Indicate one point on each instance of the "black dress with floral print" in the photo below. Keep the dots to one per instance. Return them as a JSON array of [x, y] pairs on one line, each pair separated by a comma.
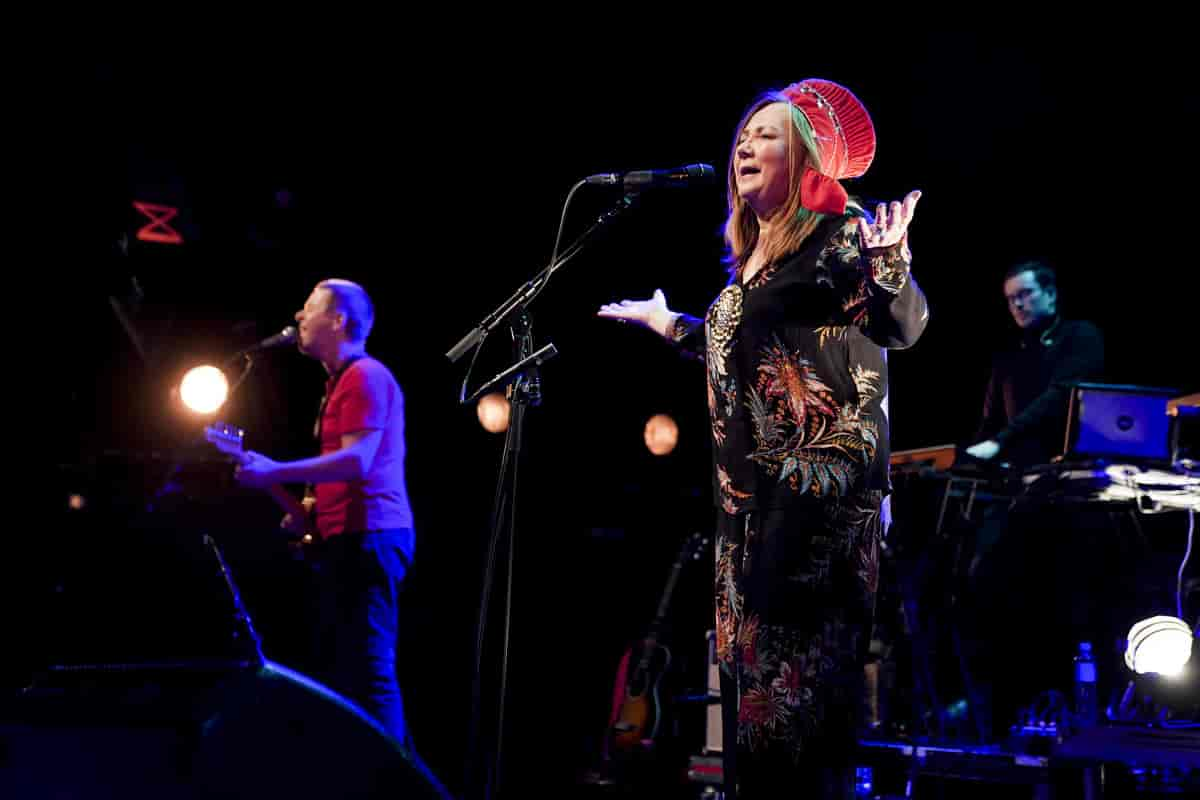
[[796, 376]]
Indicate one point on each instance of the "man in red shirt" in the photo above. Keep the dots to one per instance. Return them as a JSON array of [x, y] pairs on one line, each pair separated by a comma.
[[358, 499]]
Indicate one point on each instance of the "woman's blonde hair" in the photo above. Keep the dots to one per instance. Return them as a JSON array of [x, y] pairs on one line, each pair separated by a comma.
[[798, 223]]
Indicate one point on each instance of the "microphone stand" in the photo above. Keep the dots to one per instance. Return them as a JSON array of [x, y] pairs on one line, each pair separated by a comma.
[[525, 391], [525, 294], [239, 608], [536, 360]]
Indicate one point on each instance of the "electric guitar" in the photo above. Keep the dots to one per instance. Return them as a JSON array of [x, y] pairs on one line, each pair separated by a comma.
[[637, 708], [230, 439]]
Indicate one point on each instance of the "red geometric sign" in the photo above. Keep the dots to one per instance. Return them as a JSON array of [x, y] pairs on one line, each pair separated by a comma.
[[157, 230]]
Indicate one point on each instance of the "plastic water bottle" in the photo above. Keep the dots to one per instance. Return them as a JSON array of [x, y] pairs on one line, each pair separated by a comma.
[[1086, 706], [863, 782]]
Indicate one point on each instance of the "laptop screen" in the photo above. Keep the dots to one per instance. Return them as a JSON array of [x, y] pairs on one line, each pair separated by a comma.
[[1122, 421]]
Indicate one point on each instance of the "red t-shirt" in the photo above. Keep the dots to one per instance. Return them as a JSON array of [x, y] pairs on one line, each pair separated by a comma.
[[365, 397]]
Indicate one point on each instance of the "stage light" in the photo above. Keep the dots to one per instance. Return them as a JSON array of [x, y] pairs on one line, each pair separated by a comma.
[[493, 411], [204, 389], [661, 434], [1160, 645], [76, 502]]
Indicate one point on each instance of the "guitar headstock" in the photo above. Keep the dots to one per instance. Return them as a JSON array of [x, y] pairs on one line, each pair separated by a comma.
[[229, 439]]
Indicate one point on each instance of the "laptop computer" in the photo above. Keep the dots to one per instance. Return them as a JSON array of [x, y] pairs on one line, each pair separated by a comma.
[[1122, 423]]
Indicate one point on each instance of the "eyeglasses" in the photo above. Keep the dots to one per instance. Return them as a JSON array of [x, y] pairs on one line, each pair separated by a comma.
[[1022, 296]]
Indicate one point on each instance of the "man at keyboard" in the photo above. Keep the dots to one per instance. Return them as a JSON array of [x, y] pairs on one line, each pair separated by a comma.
[[1025, 408]]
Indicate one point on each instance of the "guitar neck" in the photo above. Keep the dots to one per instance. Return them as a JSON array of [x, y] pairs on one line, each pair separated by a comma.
[[651, 640], [665, 602], [229, 439]]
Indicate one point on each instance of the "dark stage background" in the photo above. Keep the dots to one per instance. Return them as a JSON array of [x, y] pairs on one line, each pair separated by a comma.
[[437, 182]]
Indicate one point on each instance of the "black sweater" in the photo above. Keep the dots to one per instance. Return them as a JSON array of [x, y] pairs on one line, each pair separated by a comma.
[[1025, 409]]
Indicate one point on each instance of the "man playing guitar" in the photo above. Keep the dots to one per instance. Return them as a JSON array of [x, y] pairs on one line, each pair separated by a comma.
[[359, 502]]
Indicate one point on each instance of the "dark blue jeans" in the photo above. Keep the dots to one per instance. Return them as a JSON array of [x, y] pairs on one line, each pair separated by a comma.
[[359, 578]]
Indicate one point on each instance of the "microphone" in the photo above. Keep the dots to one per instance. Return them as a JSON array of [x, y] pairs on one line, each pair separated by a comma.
[[285, 337], [680, 176]]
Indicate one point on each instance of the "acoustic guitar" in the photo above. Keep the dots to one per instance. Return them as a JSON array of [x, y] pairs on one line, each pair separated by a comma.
[[637, 707]]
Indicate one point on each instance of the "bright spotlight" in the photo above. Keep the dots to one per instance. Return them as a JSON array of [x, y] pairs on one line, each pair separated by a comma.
[[661, 434], [493, 411], [1160, 645], [204, 389]]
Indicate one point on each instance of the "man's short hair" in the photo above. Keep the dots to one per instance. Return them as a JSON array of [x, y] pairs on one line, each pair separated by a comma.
[[352, 300], [1043, 273]]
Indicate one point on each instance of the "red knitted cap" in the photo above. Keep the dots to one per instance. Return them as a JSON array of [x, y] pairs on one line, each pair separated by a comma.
[[841, 123]]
